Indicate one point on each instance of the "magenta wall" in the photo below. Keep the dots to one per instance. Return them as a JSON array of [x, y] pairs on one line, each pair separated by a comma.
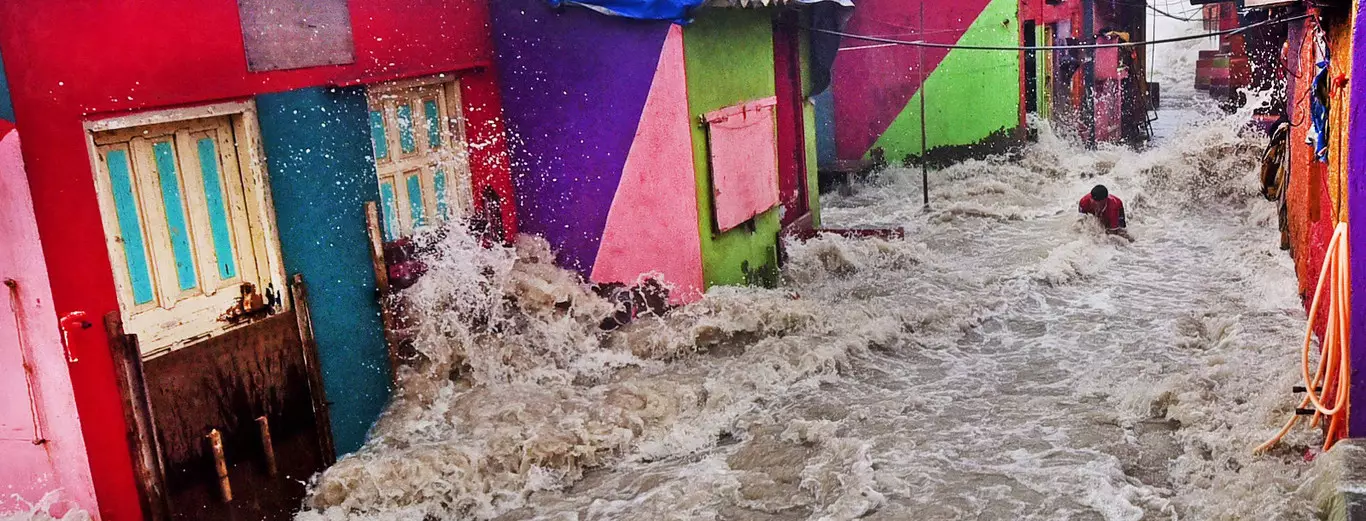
[[1356, 218], [29, 472]]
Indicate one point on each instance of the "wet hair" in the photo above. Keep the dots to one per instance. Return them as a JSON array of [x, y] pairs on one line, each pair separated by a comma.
[[1099, 193]]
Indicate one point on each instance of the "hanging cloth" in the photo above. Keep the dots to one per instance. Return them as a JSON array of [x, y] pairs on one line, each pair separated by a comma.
[[1318, 100], [826, 16]]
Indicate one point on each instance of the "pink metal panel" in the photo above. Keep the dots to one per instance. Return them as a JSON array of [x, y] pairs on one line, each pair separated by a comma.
[[744, 161], [44, 460]]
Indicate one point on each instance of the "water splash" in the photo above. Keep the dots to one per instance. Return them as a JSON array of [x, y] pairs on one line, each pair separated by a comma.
[[1007, 360]]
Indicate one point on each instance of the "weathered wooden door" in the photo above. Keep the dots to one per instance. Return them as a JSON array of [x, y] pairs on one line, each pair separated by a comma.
[[421, 161], [230, 427]]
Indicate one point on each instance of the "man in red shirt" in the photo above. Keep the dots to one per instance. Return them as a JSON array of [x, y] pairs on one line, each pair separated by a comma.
[[1108, 208]]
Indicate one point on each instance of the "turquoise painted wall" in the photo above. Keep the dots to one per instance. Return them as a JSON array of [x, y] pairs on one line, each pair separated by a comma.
[[6, 106], [729, 57], [318, 152]]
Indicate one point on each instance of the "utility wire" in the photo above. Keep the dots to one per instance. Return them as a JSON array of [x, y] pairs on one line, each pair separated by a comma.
[[922, 43], [1172, 16]]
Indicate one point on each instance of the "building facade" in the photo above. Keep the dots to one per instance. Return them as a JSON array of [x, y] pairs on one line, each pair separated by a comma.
[[193, 270]]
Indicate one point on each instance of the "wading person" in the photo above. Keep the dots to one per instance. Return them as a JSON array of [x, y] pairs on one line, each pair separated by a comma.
[[1108, 208]]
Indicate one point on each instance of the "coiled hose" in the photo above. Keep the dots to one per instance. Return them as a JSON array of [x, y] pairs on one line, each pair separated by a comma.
[[1333, 376]]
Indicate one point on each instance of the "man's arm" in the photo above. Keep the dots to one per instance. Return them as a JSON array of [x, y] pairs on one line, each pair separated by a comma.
[[1122, 222]]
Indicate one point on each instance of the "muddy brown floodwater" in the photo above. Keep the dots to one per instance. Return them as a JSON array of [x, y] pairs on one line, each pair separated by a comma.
[[1005, 361]]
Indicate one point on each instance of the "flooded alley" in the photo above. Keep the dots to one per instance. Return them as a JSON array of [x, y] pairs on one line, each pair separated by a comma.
[[1007, 360], [681, 260]]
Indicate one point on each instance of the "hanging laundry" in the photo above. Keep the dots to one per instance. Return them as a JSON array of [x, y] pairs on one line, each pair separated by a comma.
[[1319, 100], [826, 16]]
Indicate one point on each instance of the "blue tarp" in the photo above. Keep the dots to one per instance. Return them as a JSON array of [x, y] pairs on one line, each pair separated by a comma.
[[677, 11]]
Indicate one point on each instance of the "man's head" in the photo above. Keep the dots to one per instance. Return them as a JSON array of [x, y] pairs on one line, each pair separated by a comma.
[[1099, 193]]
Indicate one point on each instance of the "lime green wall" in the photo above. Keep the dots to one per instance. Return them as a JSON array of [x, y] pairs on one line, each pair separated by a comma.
[[729, 59], [971, 94], [1044, 90], [809, 122]]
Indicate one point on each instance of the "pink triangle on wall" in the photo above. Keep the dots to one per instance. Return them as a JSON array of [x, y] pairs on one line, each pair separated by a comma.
[[652, 226]]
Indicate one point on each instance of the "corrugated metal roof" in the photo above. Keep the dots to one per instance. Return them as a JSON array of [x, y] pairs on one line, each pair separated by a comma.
[[747, 3], [770, 3]]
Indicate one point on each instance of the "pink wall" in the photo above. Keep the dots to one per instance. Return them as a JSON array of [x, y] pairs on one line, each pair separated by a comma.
[[31, 471], [652, 224]]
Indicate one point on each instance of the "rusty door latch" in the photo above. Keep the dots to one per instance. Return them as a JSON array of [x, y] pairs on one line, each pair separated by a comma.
[[73, 321]]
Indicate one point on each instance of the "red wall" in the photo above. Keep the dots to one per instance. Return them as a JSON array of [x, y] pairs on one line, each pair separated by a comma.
[[71, 59]]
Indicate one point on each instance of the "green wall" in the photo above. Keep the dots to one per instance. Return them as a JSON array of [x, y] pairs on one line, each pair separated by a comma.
[[971, 94], [729, 59], [1044, 90], [809, 124]]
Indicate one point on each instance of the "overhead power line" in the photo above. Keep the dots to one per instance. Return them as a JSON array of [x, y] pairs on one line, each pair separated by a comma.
[[922, 43], [1172, 16]]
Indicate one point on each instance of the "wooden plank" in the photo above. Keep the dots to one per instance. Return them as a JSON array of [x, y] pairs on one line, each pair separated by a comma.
[[303, 313], [417, 209], [265, 233], [253, 263], [216, 202], [851, 233], [138, 419], [120, 212], [387, 316], [195, 201], [165, 155], [154, 218], [225, 384], [153, 117]]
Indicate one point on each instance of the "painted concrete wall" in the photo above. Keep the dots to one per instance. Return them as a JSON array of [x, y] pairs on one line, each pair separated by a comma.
[[40, 405], [1316, 188], [877, 88], [598, 126], [601, 113], [729, 56], [182, 53], [318, 152], [1356, 204]]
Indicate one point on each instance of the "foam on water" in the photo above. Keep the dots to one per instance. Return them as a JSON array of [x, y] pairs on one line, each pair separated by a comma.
[[1007, 360]]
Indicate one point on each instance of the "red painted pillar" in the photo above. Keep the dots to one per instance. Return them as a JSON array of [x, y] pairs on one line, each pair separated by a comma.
[[485, 132]]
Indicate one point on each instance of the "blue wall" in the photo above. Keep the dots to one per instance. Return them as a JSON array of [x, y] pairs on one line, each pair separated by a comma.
[[825, 127], [317, 146], [6, 107]]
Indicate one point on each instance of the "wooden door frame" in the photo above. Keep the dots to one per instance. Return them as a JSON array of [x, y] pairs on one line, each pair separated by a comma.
[[790, 89]]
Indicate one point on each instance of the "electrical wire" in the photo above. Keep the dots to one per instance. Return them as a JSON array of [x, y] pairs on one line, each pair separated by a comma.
[[1172, 16], [922, 43]]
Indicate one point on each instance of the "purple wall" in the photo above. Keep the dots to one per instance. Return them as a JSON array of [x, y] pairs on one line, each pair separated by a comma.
[[574, 86], [1356, 218]]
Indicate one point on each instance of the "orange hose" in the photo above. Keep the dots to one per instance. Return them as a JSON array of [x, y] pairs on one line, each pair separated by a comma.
[[1333, 374]]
